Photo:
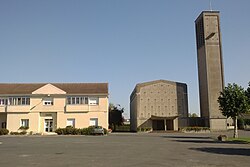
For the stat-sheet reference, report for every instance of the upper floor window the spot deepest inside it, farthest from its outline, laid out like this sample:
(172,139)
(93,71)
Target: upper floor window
(3,101)
(48,102)
(77,100)
(93,101)
(19,101)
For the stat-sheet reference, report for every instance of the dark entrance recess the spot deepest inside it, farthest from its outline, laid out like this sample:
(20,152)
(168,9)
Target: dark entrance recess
(158,125)
(169,124)
(4,125)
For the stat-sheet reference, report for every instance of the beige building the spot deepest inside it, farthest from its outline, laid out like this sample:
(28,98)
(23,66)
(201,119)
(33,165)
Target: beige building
(160,105)
(210,68)
(45,107)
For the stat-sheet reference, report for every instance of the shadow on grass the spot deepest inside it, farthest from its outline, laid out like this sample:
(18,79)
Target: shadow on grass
(225,151)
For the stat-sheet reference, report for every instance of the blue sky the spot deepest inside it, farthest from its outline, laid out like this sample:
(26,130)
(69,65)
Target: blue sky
(119,42)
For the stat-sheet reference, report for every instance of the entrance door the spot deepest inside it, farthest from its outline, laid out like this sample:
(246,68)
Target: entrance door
(158,125)
(170,124)
(48,125)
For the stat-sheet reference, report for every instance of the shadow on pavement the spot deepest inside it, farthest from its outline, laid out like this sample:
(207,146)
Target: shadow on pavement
(187,137)
(225,151)
(197,141)
(200,139)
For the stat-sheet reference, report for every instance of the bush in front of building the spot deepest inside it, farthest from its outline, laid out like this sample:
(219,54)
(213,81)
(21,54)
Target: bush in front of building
(144,129)
(4,131)
(195,129)
(18,133)
(69,130)
(59,131)
(24,128)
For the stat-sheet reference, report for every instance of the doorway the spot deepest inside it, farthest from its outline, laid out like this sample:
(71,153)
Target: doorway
(170,124)
(48,125)
(158,125)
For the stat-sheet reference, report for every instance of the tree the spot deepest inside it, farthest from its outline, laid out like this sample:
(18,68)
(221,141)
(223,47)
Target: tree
(115,115)
(193,115)
(233,103)
(248,93)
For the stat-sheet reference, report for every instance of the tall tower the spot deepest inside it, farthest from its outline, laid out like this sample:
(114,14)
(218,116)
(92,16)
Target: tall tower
(210,68)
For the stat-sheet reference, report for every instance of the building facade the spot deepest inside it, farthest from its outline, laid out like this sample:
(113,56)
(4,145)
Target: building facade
(160,105)
(210,68)
(45,107)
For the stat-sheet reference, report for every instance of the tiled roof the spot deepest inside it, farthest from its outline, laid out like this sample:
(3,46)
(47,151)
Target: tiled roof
(69,88)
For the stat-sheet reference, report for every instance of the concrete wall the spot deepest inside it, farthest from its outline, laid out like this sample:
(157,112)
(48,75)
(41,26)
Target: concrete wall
(133,113)
(210,68)
(161,99)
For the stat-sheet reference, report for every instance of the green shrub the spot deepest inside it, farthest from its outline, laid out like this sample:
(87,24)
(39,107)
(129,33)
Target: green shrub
(18,133)
(105,131)
(83,131)
(144,129)
(76,131)
(14,133)
(90,130)
(23,128)
(4,131)
(59,131)
(69,130)
(148,129)
(195,128)
(23,132)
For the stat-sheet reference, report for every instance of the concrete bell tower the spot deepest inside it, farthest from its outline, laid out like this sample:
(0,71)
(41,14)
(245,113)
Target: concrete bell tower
(210,68)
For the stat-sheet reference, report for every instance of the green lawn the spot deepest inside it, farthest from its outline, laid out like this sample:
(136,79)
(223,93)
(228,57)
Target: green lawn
(241,139)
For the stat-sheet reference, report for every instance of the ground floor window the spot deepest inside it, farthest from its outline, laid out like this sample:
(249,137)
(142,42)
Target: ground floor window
(71,122)
(93,122)
(25,122)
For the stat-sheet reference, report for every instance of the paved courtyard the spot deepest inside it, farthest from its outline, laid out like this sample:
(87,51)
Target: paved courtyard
(123,150)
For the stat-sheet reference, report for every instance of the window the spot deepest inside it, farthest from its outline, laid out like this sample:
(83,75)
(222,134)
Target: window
(93,122)
(25,122)
(19,101)
(86,101)
(77,100)
(48,102)
(3,101)
(73,100)
(71,122)
(93,101)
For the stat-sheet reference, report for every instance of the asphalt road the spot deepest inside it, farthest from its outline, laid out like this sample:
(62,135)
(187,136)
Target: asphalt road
(123,150)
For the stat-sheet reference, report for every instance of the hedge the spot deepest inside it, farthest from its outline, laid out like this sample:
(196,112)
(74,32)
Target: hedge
(69,130)
(195,128)
(4,131)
